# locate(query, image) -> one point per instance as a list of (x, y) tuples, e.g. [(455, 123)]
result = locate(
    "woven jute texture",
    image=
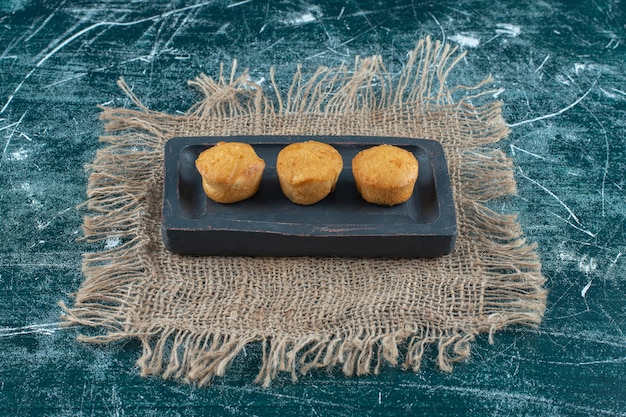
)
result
[(194, 315)]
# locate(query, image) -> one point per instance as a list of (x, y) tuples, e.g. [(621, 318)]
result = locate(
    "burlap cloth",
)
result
[(194, 315)]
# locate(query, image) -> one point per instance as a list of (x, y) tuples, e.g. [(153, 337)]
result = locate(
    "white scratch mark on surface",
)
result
[(614, 261), (88, 29), (222, 29), (300, 20), (516, 148), (239, 3), (362, 13), (18, 88), (498, 92), (316, 55), (587, 232), (613, 95), (561, 79), (8, 126), (508, 30), (588, 363), (558, 113), (156, 50), (583, 292), (189, 17), (543, 63), (443, 33), (616, 325), (606, 158), (465, 40), (578, 67), (571, 213), (73, 77), (608, 94), (613, 44), (14, 126), (618, 91), (493, 38), (41, 225), (589, 338), (510, 395), (45, 22), (45, 328)]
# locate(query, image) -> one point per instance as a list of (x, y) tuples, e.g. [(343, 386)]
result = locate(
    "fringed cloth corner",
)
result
[(194, 315)]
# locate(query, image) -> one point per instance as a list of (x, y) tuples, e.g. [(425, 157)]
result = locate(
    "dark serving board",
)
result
[(343, 224)]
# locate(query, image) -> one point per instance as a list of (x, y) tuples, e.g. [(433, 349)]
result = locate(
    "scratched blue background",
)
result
[(559, 69)]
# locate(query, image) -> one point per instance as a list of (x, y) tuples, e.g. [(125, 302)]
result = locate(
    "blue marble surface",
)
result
[(559, 69)]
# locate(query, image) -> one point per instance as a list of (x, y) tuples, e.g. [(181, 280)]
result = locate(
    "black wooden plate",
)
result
[(343, 224)]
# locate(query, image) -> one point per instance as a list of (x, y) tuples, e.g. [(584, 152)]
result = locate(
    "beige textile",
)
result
[(194, 315)]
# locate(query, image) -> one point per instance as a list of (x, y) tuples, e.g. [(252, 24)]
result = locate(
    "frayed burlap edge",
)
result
[(117, 206)]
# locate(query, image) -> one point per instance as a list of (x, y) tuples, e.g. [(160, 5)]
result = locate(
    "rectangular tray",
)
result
[(343, 224)]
